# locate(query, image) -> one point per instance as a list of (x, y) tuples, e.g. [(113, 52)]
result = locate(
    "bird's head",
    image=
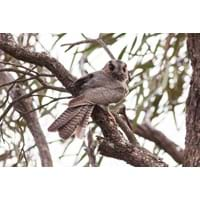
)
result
[(117, 69)]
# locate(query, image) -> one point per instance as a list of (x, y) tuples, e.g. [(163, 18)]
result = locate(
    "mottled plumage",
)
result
[(103, 87)]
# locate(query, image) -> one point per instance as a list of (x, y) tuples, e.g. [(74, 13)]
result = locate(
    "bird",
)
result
[(104, 87)]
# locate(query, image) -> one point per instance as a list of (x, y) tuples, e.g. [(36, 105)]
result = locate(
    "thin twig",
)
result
[(18, 99), (89, 40)]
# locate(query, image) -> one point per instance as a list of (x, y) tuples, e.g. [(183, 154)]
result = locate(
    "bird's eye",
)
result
[(111, 67), (124, 69)]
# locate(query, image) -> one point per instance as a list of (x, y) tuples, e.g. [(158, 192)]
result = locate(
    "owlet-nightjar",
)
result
[(103, 87)]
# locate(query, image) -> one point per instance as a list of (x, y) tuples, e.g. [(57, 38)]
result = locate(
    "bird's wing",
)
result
[(104, 96), (79, 101), (93, 80), (99, 95), (78, 85)]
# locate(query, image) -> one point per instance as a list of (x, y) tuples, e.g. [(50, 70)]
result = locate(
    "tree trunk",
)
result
[(192, 141)]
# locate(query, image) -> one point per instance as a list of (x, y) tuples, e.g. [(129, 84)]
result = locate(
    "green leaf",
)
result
[(108, 38), (81, 158), (59, 37), (122, 53), (156, 48), (120, 35), (149, 64), (133, 45)]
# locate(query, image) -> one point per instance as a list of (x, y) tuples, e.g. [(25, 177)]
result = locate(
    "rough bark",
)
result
[(116, 146), (192, 140)]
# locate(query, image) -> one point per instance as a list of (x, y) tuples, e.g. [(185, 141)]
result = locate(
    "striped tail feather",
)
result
[(80, 130), (64, 118), (68, 129)]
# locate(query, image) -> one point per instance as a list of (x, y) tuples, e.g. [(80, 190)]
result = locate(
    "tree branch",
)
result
[(134, 155), (89, 40), (8, 45), (150, 133), (30, 118), (192, 139), (116, 146)]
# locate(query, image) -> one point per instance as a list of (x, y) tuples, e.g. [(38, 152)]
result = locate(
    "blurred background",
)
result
[(158, 88)]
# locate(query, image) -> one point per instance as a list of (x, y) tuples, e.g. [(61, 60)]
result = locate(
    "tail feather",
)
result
[(80, 130), (64, 118), (68, 129)]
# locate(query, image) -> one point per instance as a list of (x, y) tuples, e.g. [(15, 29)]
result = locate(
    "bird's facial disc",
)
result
[(118, 70)]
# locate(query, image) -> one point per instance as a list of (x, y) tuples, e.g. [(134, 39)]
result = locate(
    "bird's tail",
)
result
[(80, 129), (64, 118), (72, 120)]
